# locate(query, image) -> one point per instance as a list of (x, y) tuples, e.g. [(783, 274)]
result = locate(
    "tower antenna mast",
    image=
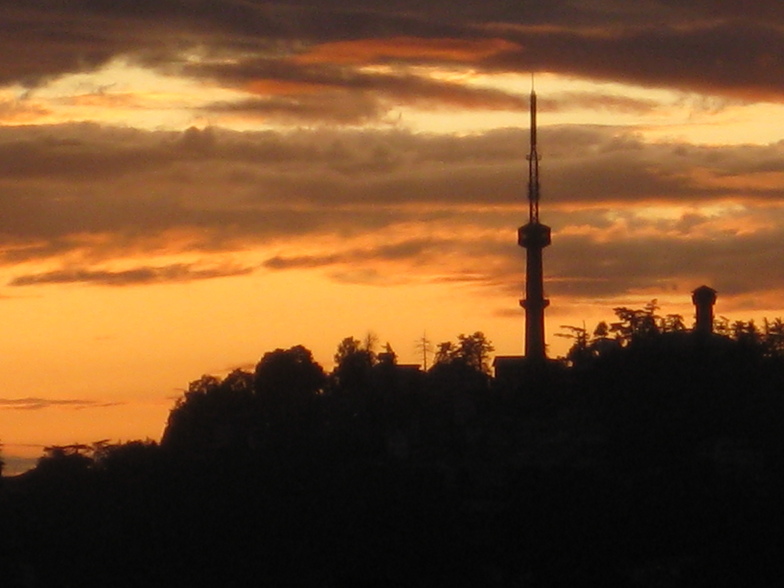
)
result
[(533, 164)]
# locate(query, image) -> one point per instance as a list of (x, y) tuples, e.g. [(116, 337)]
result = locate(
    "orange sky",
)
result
[(182, 192)]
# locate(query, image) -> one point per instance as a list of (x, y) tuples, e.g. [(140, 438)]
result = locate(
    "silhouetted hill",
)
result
[(655, 462)]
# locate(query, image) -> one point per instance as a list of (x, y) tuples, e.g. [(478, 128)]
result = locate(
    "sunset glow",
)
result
[(180, 193)]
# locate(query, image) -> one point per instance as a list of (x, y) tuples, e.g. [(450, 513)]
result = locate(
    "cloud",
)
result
[(387, 49), (20, 111), (705, 46), (736, 58), (402, 250), (599, 253), (386, 206), (280, 262), (596, 101), (653, 258), (35, 403), (141, 275), (44, 39), (334, 106), (293, 90), (92, 197)]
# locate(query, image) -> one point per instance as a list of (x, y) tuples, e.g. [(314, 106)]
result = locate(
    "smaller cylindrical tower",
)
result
[(703, 298)]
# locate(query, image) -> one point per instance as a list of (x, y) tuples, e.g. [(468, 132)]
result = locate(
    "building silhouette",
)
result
[(534, 237)]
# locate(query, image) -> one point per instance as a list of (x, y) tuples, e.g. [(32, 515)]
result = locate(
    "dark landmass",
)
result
[(651, 457)]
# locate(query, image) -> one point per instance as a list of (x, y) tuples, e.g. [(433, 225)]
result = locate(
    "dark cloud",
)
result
[(280, 262), (42, 39), (718, 47), (341, 94), (733, 263), (34, 403), (216, 192), (736, 58), (107, 193), (341, 103), (762, 10)]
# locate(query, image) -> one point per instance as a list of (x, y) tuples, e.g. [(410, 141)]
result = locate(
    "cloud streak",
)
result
[(36, 403), (175, 273)]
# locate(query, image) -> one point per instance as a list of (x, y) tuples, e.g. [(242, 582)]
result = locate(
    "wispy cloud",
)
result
[(140, 275), (35, 403)]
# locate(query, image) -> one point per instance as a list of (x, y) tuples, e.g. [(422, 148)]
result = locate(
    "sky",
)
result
[(188, 184)]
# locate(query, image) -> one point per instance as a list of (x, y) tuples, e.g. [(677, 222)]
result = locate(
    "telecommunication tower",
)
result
[(534, 237)]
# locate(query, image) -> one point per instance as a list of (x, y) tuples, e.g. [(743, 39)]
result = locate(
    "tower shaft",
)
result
[(534, 237)]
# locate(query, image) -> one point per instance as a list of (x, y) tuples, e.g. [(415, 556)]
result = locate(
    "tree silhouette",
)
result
[(472, 351), (212, 414), (587, 349), (353, 364), (673, 323), (126, 460), (425, 347), (774, 336), (636, 323), (580, 351), (288, 382), (76, 457), (458, 386)]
